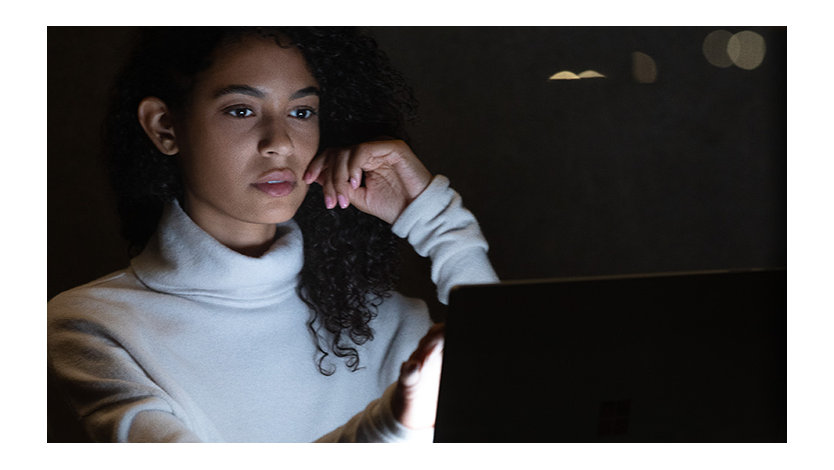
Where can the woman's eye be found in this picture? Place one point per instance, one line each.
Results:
(303, 113)
(240, 112)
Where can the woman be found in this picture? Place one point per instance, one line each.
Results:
(260, 306)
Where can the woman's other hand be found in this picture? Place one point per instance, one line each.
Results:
(415, 398)
(393, 177)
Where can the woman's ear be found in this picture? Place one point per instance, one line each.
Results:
(155, 119)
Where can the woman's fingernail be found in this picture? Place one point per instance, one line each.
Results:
(409, 367)
(343, 202)
(354, 183)
(328, 202)
(410, 373)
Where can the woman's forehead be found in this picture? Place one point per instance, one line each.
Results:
(253, 61)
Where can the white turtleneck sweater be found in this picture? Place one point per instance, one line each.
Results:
(195, 342)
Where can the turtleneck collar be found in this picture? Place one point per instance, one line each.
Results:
(182, 259)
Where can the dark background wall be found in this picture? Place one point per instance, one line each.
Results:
(579, 177)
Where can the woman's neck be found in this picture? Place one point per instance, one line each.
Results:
(247, 238)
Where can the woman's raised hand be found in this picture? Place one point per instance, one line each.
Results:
(393, 177)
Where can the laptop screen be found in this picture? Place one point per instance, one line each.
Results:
(688, 357)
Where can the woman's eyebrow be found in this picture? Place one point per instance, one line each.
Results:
(252, 91)
(239, 89)
(310, 90)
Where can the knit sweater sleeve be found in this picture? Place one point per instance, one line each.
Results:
(110, 393)
(438, 226)
(377, 424)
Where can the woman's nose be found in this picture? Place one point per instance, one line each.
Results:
(275, 140)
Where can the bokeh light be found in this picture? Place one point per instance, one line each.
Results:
(568, 75)
(591, 74)
(643, 67)
(715, 48)
(564, 75)
(745, 49)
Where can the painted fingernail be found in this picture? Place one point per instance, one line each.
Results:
(343, 202)
(328, 202)
(354, 183)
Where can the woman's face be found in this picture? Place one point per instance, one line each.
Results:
(246, 138)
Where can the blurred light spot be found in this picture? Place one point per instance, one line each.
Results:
(746, 49)
(643, 68)
(568, 75)
(564, 75)
(715, 48)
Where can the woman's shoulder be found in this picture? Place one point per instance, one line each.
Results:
(99, 295)
(403, 314)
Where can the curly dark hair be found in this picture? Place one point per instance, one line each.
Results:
(350, 258)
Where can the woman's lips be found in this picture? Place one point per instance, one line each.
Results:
(276, 182)
(278, 189)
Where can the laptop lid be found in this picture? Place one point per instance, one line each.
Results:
(685, 357)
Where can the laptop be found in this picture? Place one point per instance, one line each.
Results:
(680, 357)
